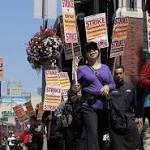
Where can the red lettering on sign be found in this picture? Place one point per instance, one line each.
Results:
(71, 37)
(118, 44)
(95, 22)
(68, 3)
(53, 90)
(51, 72)
(121, 20)
(102, 44)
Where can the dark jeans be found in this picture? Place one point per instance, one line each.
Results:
(95, 125)
(130, 140)
(3, 147)
(15, 148)
(72, 138)
(12, 147)
(36, 145)
(56, 144)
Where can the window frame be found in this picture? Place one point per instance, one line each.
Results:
(131, 5)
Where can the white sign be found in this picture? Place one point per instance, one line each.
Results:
(52, 98)
(96, 29)
(69, 21)
(119, 36)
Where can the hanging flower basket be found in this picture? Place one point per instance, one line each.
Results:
(44, 48)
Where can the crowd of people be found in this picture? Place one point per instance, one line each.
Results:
(103, 111)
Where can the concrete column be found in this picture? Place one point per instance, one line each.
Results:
(124, 7)
(139, 4)
(120, 3)
(124, 3)
(139, 7)
(114, 3)
(137, 13)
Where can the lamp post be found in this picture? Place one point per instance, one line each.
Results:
(44, 9)
(45, 23)
(1, 73)
(0, 89)
(45, 13)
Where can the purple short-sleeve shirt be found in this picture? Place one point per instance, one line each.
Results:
(91, 84)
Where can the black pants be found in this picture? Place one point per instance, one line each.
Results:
(12, 147)
(130, 140)
(36, 145)
(15, 148)
(95, 125)
(56, 144)
(72, 138)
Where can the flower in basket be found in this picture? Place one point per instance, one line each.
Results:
(44, 48)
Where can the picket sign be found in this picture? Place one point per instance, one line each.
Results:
(96, 29)
(20, 113)
(40, 111)
(119, 36)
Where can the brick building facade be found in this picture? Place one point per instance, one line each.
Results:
(132, 59)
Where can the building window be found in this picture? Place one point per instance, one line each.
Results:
(115, 4)
(132, 5)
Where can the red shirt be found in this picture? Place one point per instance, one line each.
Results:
(144, 78)
(148, 5)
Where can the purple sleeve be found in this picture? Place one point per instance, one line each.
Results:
(79, 74)
(111, 84)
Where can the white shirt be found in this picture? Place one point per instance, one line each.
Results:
(10, 139)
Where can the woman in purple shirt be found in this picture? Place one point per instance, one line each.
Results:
(96, 82)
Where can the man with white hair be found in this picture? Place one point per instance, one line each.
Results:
(10, 139)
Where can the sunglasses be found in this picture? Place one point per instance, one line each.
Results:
(89, 50)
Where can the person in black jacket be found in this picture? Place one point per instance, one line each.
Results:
(72, 108)
(124, 133)
(37, 134)
(55, 138)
